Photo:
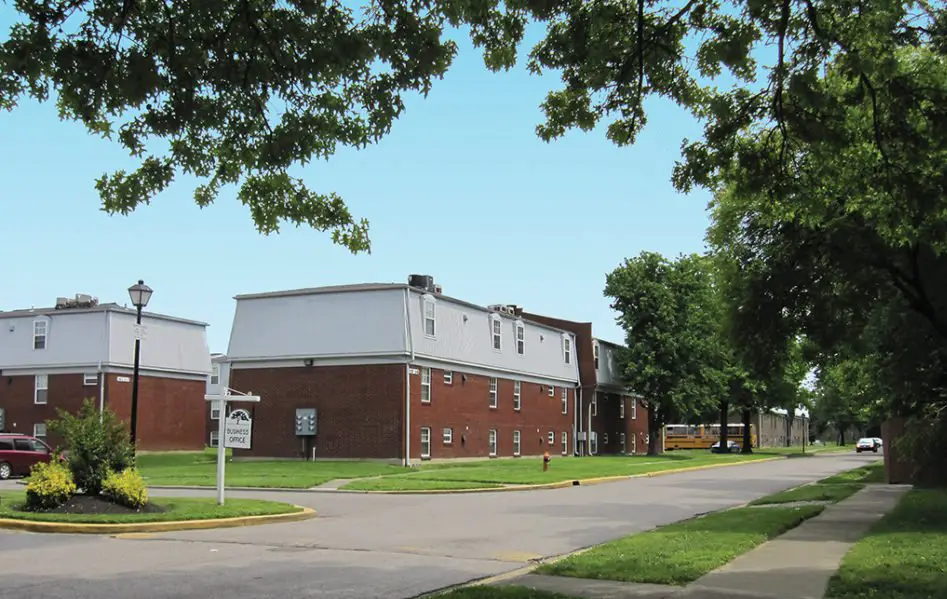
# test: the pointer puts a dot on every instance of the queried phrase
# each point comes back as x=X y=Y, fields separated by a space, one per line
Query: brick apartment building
x=610 y=420
x=401 y=372
x=54 y=358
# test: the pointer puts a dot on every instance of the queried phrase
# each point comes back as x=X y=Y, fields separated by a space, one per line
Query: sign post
x=233 y=430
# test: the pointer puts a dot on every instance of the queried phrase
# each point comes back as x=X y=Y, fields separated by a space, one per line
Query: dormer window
x=520 y=338
x=40 y=332
x=496 y=330
x=429 y=316
x=595 y=351
x=215 y=374
x=567 y=349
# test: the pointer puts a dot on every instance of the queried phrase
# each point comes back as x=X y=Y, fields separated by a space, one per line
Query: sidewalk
x=797 y=565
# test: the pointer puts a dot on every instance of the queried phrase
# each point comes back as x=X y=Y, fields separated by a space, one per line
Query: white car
x=732 y=446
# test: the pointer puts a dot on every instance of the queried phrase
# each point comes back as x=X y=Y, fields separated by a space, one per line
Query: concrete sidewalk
x=796 y=565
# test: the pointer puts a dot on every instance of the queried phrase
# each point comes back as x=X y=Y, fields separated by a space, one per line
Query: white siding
x=319 y=325
x=224 y=379
x=464 y=335
x=607 y=373
x=73 y=339
x=167 y=345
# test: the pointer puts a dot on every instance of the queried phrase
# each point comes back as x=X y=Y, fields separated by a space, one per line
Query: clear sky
x=462 y=190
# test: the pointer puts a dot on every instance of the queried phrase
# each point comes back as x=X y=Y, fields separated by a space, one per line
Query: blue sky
x=462 y=190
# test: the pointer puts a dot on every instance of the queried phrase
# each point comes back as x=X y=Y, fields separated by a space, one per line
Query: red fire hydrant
x=545 y=461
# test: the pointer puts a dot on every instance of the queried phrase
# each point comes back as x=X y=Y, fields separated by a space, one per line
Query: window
x=40 y=330
x=595 y=351
x=565 y=400
x=213 y=439
x=429 y=313
x=516 y=442
x=520 y=338
x=39 y=430
x=634 y=409
x=621 y=407
x=552 y=438
x=6 y=444
x=41 y=389
x=90 y=378
x=634 y=444
x=497 y=327
x=493 y=392
x=605 y=439
x=215 y=374
x=425 y=441
x=517 y=393
x=493 y=442
x=22 y=445
x=215 y=410
x=448 y=377
x=567 y=349
x=448 y=436
x=425 y=385
x=593 y=443
x=565 y=443
x=621 y=438
x=552 y=391
x=595 y=405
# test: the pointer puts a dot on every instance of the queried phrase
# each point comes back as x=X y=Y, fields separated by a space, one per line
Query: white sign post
x=231 y=432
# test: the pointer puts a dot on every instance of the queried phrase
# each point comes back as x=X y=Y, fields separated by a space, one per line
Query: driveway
x=396 y=546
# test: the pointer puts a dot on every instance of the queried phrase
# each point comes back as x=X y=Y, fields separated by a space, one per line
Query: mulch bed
x=88 y=504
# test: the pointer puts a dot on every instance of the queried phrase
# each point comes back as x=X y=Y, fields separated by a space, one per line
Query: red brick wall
x=359 y=410
x=169 y=410
x=609 y=424
x=464 y=407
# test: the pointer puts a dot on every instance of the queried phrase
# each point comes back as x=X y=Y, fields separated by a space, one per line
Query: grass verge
x=832 y=489
x=500 y=592
x=176 y=508
x=903 y=557
x=200 y=469
x=680 y=553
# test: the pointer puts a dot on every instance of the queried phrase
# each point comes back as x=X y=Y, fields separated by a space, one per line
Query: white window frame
x=605 y=439
x=448 y=377
x=552 y=390
x=634 y=409
x=492 y=442
x=429 y=316
x=565 y=443
x=447 y=436
x=425 y=384
x=551 y=438
x=41 y=383
x=214 y=410
x=90 y=379
x=517 y=395
x=36 y=430
x=425 y=432
x=621 y=407
x=213 y=440
x=595 y=405
x=634 y=444
x=622 y=439
x=496 y=332
x=520 y=337
x=494 y=396
x=565 y=400
x=215 y=374
x=593 y=443
x=567 y=349
x=516 y=443
x=44 y=335
x=595 y=354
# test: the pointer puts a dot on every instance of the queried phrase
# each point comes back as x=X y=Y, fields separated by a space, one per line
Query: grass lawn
x=175 y=509
x=486 y=473
x=200 y=469
x=500 y=592
x=682 y=552
x=832 y=489
x=873 y=473
x=903 y=557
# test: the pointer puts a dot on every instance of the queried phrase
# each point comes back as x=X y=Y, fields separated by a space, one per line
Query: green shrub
x=50 y=485
x=126 y=488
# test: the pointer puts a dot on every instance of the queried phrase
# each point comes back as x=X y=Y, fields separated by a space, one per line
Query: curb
x=254 y=489
x=171 y=526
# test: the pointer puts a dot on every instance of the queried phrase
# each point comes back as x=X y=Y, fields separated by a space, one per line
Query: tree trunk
x=841 y=436
x=724 y=433
x=747 y=439
x=654 y=431
x=790 y=416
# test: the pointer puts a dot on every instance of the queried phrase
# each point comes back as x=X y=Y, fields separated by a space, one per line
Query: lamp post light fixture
x=140 y=294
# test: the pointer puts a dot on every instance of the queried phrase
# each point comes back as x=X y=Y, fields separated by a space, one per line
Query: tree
x=666 y=310
x=233 y=93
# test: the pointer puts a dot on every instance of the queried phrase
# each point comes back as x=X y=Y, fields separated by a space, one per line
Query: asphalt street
x=392 y=546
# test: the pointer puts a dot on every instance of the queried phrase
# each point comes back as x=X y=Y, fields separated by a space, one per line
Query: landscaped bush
x=50 y=485
x=96 y=444
x=126 y=488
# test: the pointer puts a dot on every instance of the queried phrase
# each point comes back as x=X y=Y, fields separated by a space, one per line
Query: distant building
x=217 y=383
x=403 y=372
x=52 y=358
x=611 y=419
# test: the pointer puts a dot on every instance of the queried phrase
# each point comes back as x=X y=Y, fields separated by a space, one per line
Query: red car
x=19 y=452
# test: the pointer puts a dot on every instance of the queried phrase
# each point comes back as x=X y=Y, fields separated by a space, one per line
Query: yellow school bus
x=702 y=436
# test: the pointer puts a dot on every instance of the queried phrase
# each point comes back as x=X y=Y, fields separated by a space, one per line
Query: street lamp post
x=140 y=295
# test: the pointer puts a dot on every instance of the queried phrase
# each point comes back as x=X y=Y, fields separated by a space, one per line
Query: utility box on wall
x=306 y=422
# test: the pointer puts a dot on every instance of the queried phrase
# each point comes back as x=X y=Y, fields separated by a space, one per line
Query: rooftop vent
x=424 y=282
x=81 y=300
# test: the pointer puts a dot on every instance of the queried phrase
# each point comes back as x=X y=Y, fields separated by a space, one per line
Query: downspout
x=101 y=392
x=409 y=344
x=588 y=435
x=576 y=419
